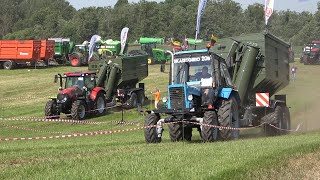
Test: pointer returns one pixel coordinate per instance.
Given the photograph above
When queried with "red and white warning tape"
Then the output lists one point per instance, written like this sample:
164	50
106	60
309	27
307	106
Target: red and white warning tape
30	129
80	134
37	119
24	98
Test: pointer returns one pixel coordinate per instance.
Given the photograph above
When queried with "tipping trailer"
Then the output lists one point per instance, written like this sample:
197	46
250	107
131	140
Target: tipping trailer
108	82
228	86
47	51
14	53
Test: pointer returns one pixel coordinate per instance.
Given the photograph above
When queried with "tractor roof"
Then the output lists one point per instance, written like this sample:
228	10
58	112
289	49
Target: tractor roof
316	41
79	73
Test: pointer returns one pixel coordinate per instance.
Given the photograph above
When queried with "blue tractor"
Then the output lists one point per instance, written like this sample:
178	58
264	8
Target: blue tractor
199	92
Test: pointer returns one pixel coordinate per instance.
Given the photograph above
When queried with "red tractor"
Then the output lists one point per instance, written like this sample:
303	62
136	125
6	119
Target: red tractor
79	96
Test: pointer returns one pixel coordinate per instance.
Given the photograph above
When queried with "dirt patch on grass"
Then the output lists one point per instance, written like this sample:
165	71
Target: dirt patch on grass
306	167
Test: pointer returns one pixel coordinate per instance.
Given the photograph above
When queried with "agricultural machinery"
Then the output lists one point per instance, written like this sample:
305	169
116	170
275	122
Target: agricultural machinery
63	47
156	55
311	53
108	82
14	53
242	74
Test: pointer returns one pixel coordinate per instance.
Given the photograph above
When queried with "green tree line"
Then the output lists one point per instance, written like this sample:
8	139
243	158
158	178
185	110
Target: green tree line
41	19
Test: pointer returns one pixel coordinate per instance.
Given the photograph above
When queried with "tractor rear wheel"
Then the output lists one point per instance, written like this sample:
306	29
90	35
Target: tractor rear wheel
132	101
150	133
228	116
209	134
78	110
9	65
100	104
75	60
50	110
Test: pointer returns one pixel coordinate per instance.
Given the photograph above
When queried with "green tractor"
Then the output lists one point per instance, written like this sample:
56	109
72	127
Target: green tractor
156	55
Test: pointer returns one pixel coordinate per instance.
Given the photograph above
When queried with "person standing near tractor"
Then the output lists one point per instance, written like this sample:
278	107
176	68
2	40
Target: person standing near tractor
294	72
156	98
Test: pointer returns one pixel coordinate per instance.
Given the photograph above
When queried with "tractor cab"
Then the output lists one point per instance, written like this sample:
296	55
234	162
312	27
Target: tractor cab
83	80
196	78
147	47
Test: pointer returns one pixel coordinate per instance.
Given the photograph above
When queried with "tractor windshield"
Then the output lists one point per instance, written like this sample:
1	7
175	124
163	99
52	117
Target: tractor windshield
192	67
74	81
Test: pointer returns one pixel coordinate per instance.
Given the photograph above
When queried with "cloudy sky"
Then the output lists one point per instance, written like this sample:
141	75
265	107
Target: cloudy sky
294	5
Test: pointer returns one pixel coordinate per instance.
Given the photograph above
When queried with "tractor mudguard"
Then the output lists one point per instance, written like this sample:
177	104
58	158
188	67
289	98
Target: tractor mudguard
95	92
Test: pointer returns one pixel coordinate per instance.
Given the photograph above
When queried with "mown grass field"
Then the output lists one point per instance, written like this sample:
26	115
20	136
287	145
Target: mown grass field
126	155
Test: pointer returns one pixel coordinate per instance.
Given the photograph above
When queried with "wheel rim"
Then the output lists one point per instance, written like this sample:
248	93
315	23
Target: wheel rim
149	61
7	65
100	105
74	61
82	111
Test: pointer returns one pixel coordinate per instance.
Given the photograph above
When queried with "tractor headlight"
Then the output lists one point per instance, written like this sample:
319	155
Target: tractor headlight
190	97
164	99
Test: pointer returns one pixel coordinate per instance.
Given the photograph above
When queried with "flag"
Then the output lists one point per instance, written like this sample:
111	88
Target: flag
123	38
268	9
201	7
92	45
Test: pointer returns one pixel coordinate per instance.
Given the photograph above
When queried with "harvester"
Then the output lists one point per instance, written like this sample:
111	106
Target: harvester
107	83
244	72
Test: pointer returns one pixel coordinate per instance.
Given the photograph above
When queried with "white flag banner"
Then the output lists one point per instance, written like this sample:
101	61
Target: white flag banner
201	7
268	9
92	45
123	38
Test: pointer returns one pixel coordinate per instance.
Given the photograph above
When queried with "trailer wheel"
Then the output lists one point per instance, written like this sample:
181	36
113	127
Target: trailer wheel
276	119
286	120
209	134
75	60
100	104
78	110
132	101
228	116
150	133
50	110
9	65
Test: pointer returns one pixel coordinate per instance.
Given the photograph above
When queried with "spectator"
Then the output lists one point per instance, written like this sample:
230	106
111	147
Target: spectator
294	72
156	98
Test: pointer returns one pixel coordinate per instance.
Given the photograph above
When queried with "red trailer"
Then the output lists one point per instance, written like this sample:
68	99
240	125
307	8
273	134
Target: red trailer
19	52
47	51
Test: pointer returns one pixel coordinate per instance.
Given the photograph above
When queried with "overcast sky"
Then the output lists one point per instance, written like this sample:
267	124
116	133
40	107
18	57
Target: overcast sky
293	5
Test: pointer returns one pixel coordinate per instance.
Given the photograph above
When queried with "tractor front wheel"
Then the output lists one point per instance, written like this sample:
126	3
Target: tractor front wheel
209	133
50	110
150	132
141	98
78	110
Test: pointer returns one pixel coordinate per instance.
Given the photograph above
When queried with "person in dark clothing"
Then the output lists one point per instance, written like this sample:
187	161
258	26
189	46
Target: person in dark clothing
203	74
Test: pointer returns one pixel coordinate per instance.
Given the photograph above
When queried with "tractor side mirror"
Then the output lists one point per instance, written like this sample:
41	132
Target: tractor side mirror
55	78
